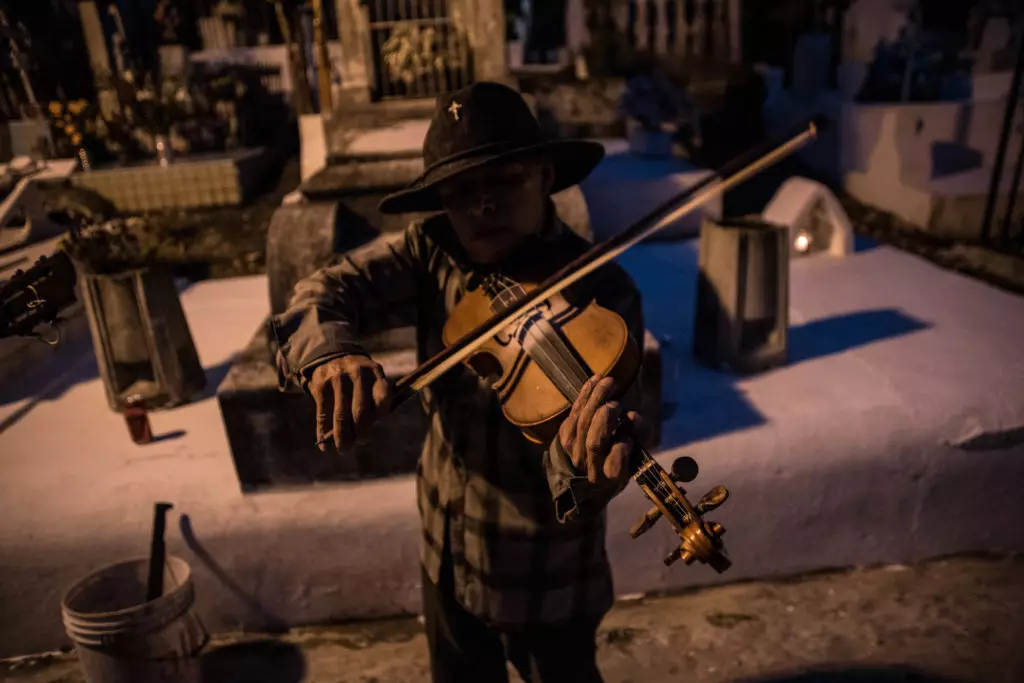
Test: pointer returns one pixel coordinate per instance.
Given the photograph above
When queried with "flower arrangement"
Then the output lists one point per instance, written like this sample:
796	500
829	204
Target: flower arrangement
653	101
155	108
202	114
82	129
72	120
113	246
413	51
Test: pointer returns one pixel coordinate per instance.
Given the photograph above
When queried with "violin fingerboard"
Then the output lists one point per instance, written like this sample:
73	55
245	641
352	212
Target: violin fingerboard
506	298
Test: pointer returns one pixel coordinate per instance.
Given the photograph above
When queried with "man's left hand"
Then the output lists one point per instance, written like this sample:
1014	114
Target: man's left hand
587	435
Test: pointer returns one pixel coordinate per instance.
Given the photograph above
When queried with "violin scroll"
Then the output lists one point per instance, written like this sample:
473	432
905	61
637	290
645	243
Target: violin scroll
700	540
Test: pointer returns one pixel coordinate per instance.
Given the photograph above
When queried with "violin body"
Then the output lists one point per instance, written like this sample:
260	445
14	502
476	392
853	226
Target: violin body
534	396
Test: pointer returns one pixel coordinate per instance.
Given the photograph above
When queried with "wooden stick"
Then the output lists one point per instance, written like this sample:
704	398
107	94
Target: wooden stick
601	254
157	552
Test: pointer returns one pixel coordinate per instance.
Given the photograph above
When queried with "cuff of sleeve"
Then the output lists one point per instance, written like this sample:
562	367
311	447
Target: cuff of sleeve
297	371
569	487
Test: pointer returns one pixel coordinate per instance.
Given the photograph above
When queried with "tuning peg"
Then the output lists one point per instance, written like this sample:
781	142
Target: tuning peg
720	562
645	522
684	469
714	528
679	554
712	499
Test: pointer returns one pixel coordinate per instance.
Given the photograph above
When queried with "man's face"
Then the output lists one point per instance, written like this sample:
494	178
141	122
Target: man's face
494	209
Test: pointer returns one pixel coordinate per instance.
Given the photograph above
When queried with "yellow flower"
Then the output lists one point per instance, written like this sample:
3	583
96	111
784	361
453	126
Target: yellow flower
76	139
55	109
69	129
78	106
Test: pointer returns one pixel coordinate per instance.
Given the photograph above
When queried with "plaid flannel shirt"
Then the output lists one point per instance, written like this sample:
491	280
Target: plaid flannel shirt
528	544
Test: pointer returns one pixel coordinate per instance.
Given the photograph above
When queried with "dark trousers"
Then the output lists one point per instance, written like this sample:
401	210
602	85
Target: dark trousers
464	649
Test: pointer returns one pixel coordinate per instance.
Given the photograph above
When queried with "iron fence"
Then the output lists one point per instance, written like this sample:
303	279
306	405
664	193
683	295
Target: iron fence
418	50
1003	223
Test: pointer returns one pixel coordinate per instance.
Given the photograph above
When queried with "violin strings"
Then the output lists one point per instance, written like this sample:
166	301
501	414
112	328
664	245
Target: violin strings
655	482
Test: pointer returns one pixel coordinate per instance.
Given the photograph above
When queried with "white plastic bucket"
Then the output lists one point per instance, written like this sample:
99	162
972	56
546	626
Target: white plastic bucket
121	638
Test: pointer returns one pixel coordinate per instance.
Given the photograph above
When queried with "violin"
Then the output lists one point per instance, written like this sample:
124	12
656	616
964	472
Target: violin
541	362
542	348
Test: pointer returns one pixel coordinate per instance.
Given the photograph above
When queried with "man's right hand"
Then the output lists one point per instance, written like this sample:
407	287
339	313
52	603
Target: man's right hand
350	393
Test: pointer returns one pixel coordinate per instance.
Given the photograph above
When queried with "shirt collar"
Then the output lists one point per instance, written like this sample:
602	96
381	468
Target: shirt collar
439	229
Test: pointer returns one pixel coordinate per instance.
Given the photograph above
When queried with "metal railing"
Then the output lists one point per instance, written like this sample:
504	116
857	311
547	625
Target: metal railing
418	50
1005	230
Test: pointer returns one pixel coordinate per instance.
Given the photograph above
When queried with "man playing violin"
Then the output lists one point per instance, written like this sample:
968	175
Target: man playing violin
513	550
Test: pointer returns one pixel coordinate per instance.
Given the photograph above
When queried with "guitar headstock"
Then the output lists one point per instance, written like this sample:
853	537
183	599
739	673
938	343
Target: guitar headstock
35	297
699	540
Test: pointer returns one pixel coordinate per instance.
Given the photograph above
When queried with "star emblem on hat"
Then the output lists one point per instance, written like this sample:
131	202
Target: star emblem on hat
454	109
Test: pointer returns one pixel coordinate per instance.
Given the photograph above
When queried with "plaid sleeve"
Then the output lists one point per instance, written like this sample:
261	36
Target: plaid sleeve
574	496
569	486
369	289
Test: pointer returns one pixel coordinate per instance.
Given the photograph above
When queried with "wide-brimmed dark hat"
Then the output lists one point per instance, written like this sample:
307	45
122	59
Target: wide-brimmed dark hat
482	124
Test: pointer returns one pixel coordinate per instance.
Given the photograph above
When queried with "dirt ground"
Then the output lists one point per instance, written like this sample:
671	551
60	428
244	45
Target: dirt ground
949	621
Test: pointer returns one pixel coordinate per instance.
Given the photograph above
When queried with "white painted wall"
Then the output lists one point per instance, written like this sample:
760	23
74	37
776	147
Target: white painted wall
915	128
886	157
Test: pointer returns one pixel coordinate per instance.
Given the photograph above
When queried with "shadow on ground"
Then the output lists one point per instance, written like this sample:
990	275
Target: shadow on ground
708	401
268	623
830	336
699	402
866	674
53	380
258	661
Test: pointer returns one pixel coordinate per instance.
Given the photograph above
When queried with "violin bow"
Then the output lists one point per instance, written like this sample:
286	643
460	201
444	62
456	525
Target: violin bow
731	174
699	540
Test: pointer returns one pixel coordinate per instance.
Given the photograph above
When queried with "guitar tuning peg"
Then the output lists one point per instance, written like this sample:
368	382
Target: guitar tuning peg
712	499
645	522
